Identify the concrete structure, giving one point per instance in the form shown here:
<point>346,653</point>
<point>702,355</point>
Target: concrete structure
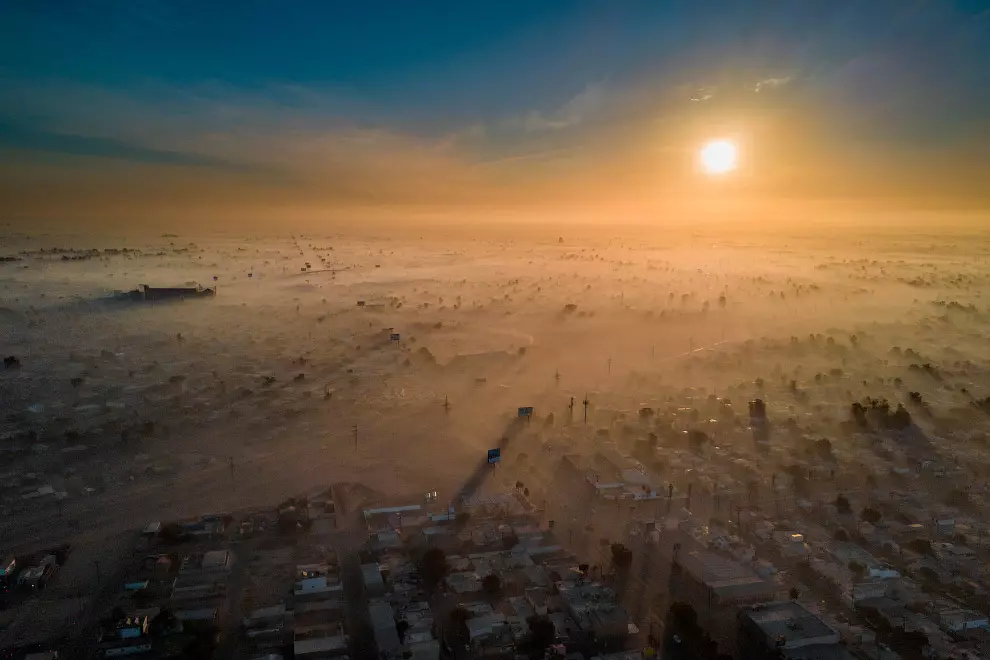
<point>786,631</point>
<point>145,292</point>
<point>317,581</point>
<point>373,582</point>
<point>383,625</point>
<point>594,609</point>
<point>717,587</point>
<point>958,620</point>
<point>317,648</point>
<point>215,560</point>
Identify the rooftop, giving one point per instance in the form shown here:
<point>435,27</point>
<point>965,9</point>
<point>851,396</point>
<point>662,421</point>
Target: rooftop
<point>726,577</point>
<point>791,623</point>
<point>319,645</point>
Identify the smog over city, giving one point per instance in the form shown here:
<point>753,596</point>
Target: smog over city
<point>500,330</point>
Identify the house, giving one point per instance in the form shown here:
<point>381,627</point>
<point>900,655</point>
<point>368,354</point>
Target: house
<point>958,620</point>
<point>791,544</point>
<point>317,581</point>
<point>320,641</point>
<point>216,560</point>
<point>204,616</point>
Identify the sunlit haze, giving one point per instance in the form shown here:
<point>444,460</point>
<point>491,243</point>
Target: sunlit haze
<point>157,114</point>
<point>495,329</point>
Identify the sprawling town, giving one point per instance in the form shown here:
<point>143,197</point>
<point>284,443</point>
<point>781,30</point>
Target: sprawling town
<point>687,546</point>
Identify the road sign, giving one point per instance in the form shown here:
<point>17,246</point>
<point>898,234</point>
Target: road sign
<point>395,336</point>
<point>526,412</point>
<point>494,456</point>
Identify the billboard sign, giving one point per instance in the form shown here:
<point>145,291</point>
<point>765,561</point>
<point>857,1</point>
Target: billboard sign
<point>494,456</point>
<point>526,412</point>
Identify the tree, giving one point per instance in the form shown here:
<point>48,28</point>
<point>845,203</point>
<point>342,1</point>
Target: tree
<point>858,413</point>
<point>162,623</point>
<point>794,593</point>
<point>823,447</point>
<point>841,535</point>
<point>458,629</point>
<point>900,419</point>
<point>491,584</point>
<point>929,575</point>
<point>957,497</point>
<point>401,626</point>
<point>697,440</point>
<point>842,504</point>
<point>621,556</point>
<point>541,631</point>
<point>682,618</point>
<point>433,566</point>
<point>870,515</point>
<point>858,569</point>
<point>921,546</point>
<point>171,533</point>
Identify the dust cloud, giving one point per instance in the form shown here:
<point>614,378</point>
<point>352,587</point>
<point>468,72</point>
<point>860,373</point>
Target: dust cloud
<point>397,361</point>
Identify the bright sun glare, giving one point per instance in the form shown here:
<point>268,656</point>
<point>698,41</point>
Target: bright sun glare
<point>718,157</point>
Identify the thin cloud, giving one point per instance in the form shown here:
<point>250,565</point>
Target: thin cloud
<point>578,110</point>
<point>772,83</point>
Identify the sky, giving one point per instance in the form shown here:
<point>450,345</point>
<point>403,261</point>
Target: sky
<point>151,111</point>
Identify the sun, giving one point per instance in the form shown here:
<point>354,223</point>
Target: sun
<point>719,157</point>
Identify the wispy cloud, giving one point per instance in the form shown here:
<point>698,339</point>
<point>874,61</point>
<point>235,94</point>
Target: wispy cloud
<point>579,109</point>
<point>772,83</point>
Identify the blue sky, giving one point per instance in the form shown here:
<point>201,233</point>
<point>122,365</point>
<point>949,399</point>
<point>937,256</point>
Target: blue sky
<point>455,88</point>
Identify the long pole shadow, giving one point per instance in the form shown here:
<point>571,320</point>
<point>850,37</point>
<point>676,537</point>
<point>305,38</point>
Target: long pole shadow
<point>484,468</point>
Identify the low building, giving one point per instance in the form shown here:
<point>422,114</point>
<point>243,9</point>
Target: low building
<point>786,630</point>
<point>791,544</point>
<point>320,647</point>
<point>595,610</point>
<point>958,620</point>
<point>145,292</point>
<point>717,587</point>
<point>374,585</point>
<point>317,581</point>
<point>383,625</point>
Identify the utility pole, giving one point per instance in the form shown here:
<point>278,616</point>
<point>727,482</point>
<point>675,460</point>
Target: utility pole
<point>585,402</point>
<point>230,462</point>
<point>99,573</point>
<point>446,404</point>
<point>355,437</point>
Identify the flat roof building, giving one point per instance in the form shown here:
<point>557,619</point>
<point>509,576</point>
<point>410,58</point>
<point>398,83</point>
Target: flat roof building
<point>787,630</point>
